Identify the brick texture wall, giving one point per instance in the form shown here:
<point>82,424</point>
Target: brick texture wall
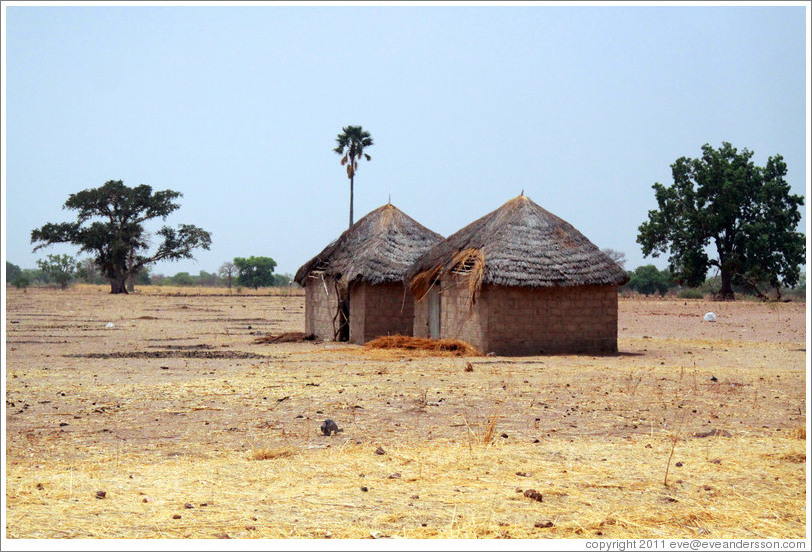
<point>529,321</point>
<point>358,296</point>
<point>420,327</point>
<point>457,319</point>
<point>320,307</point>
<point>379,310</point>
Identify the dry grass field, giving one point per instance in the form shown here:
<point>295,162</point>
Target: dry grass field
<point>156,415</point>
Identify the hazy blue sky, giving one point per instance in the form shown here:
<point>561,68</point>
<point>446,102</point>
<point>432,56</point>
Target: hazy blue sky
<point>583,108</point>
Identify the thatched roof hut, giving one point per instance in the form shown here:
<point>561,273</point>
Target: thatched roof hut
<point>362,272</point>
<point>381,247</point>
<point>520,244</point>
<point>526,257</point>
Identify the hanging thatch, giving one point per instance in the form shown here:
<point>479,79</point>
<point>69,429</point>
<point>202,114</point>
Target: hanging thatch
<point>378,248</point>
<point>519,244</point>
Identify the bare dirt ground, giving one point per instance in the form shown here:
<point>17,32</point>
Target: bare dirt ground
<point>157,416</point>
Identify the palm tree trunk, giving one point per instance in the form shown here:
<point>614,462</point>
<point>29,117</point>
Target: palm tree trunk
<point>351,198</point>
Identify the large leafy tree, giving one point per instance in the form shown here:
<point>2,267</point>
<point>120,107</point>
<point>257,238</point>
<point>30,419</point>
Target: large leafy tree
<point>110,226</point>
<point>255,272</point>
<point>351,144</point>
<point>743,214</point>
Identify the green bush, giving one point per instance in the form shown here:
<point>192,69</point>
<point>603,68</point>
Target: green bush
<point>648,280</point>
<point>691,293</point>
<point>21,281</point>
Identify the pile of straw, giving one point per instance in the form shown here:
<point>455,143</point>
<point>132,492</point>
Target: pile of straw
<point>455,347</point>
<point>287,337</point>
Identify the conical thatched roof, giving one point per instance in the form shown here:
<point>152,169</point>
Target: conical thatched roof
<point>378,248</point>
<point>518,244</point>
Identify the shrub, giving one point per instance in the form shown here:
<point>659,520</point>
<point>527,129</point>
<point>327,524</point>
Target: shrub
<point>21,281</point>
<point>691,293</point>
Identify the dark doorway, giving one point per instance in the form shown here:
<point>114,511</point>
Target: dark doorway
<point>344,319</point>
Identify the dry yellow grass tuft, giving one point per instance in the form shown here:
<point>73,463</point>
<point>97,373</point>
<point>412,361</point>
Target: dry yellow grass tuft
<point>483,433</point>
<point>271,453</point>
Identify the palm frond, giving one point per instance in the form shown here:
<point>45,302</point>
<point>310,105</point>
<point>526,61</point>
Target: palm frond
<point>351,143</point>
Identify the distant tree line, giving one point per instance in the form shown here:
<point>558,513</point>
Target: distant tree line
<point>64,270</point>
<point>648,280</point>
<point>251,272</point>
<point>256,272</point>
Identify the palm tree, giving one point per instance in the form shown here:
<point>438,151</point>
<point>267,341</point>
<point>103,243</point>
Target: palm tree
<point>351,144</point>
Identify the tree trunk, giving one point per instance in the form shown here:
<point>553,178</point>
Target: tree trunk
<point>760,294</point>
<point>118,284</point>
<point>726,293</point>
<point>351,198</point>
<point>130,272</point>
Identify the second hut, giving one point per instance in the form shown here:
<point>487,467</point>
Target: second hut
<point>355,288</point>
<point>519,281</point>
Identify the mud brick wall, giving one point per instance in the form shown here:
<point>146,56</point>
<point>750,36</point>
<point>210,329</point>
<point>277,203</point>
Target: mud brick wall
<point>531,321</point>
<point>320,307</point>
<point>457,319</point>
<point>420,327</point>
<point>358,295</point>
<point>379,310</point>
<point>518,321</point>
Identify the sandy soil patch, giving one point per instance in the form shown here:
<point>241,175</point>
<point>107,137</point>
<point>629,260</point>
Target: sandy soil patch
<point>193,430</point>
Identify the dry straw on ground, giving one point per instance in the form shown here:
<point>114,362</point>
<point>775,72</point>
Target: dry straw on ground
<point>739,488</point>
<point>229,446</point>
<point>439,347</point>
<point>286,337</point>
